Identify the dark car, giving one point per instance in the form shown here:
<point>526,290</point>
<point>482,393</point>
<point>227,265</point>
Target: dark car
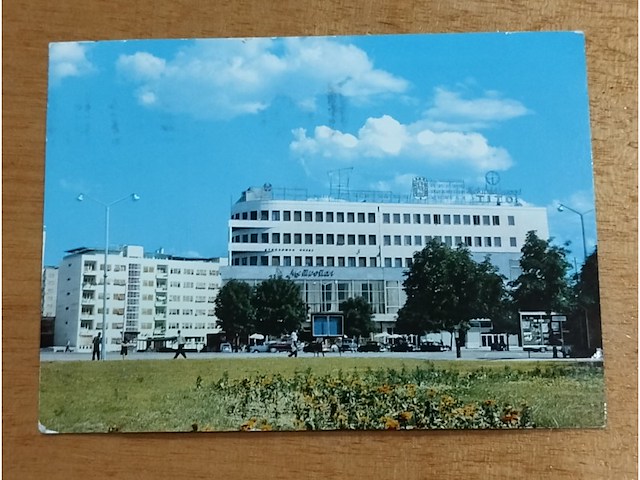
<point>315,347</point>
<point>498,347</point>
<point>402,347</point>
<point>370,347</point>
<point>279,346</point>
<point>349,346</point>
<point>434,347</point>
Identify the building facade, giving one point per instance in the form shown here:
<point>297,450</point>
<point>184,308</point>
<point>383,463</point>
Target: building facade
<point>338,248</point>
<point>49,290</point>
<point>148,296</point>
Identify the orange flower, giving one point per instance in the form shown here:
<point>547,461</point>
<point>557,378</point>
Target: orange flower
<point>248,425</point>
<point>385,389</point>
<point>406,416</point>
<point>391,424</point>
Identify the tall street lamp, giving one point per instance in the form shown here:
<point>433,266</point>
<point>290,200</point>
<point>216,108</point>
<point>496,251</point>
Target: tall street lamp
<point>107,206</point>
<point>561,208</point>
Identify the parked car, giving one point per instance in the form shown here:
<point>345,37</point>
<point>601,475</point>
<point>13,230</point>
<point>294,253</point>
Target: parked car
<point>370,347</point>
<point>434,347</point>
<point>315,347</point>
<point>226,348</point>
<point>498,346</point>
<point>258,348</point>
<point>349,346</point>
<point>402,347</point>
<point>279,346</point>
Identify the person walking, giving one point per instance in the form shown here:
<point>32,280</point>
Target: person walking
<point>96,346</point>
<point>124,347</point>
<point>180,341</point>
<point>294,344</point>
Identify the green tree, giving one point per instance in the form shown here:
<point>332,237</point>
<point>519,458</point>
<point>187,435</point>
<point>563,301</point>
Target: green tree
<point>494,299</point>
<point>543,284</point>
<point>234,309</point>
<point>358,317</point>
<point>279,306</point>
<point>446,289</point>
<point>587,309</point>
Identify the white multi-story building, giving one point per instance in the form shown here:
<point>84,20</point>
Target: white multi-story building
<point>337,248</point>
<point>49,291</point>
<point>149,296</point>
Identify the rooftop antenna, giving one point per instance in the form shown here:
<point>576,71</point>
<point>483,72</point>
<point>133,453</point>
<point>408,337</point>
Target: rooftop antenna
<point>339,182</point>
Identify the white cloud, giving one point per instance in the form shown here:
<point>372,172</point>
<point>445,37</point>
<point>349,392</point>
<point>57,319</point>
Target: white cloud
<point>383,136</point>
<point>68,59</point>
<point>142,65</point>
<point>492,107</point>
<point>470,148</point>
<point>386,138</point>
<point>147,98</point>
<point>231,77</point>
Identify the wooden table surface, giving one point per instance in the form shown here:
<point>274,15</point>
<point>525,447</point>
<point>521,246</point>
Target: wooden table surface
<point>611,35</point>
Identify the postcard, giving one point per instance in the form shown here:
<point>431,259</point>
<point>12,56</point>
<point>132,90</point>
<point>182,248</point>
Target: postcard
<point>382,232</point>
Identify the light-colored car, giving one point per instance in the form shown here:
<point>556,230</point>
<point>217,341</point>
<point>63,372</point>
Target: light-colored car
<point>258,348</point>
<point>226,348</point>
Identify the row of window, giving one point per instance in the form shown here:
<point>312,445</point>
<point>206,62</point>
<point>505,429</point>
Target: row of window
<point>352,239</point>
<point>306,238</point>
<point>90,266</point>
<point>321,261</point>
<point>298,215</point>
<point>150,283</point>
<point>133,298</point>
<point>469,241</point>
<point>87,324</point>
<point>190,325</point>
<point>445,219</point>
<point>306,261</point>
<point>191,312</point>
<point>370,217</point>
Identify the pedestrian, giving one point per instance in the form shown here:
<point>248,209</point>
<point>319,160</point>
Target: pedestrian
<point>68,347</point>
<point>124,347</point>
<point>96,346</point>
<point>180,341</point>
<point>317,348</point>
<point>294,344</point>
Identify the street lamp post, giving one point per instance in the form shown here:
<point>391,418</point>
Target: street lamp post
<point>561,208</point>
<point>107,206</point>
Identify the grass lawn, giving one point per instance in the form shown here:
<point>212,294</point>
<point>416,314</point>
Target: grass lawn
<point>165,395</point>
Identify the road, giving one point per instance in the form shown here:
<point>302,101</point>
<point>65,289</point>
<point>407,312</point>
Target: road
<point>480,355</point>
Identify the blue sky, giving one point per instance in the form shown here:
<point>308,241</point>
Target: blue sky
<point>189,124</point>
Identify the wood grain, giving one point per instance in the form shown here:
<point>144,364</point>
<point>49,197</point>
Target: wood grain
<point>610,29</point>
